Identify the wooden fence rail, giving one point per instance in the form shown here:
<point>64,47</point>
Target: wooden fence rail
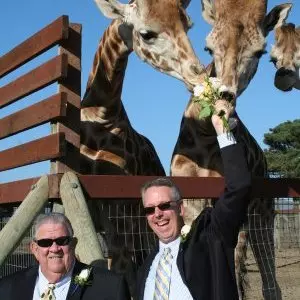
<point>112,187</point>
<point>62,109</point>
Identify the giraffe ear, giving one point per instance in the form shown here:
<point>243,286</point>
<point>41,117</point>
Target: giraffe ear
<point>208,11</point>
<point>276,17</point>
<point>112,9</point>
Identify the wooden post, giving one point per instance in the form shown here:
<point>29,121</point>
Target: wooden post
<point>277,230</point>
<point>70,125</point>
<point>88,247</point>
<point>20,222</point>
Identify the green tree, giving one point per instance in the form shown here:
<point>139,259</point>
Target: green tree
<point>283,154</point>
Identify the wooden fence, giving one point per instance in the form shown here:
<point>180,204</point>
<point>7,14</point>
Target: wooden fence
<point>62,109</point>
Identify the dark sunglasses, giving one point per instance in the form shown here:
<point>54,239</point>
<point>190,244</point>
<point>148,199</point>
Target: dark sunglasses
<point>60,241</point>
<point>163,206</point>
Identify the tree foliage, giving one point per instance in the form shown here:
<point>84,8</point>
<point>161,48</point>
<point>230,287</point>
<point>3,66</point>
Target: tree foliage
<point>283,154</point>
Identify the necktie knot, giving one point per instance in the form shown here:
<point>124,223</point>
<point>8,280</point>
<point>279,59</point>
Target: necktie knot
<point>167,253</point>
<point>49,294</point>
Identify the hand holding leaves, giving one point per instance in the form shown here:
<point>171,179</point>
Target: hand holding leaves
<point>207,95</point>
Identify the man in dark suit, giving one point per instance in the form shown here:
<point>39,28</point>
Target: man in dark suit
<point>59,275</point>
<point>200,266</point>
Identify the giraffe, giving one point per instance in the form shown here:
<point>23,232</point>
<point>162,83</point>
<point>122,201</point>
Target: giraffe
<point>237,39</point>
<point>236,42</point>
<point>157,32</point>
<point>285,55</point>
<point>197,154</point>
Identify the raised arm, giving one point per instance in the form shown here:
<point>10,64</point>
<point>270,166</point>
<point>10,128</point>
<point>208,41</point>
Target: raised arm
<point>230,210</point>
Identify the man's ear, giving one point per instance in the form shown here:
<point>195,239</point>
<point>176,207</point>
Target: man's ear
<point>34,249</point>
<point>181,209</point>
<point>208,11</point>
<point>276,17</point>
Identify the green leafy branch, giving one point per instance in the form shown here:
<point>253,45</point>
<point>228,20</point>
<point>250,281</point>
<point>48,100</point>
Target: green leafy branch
<point>207,99</point>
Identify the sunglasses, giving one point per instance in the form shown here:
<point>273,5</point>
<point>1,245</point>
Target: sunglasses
<point>163,206</point>
<point>60,241</point>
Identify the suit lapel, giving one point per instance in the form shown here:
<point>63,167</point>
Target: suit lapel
<point>25,287</point>
<point>144,273</point>
<point>180,263</point>
<point>187,258</point>
<point>75,290</point>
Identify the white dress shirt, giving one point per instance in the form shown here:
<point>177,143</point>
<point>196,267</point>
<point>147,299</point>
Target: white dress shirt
<point>61,288</point>
<point>178,290</point>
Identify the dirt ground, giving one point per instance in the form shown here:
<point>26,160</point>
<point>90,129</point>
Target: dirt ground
<point>288,275</point>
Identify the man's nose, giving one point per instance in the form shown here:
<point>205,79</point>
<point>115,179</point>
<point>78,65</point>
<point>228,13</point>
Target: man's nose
<point>54,247</point>
<point>158,212</point>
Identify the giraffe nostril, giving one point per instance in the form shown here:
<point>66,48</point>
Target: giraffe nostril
<point>228,96</point>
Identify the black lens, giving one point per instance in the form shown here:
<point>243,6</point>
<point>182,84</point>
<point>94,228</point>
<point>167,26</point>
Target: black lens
<point>61,241</point>
<point>164,206</point>
<point>45,242</point>
<point>151,209</point>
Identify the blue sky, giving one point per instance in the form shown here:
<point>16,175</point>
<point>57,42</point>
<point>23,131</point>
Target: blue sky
<point>154,101</point>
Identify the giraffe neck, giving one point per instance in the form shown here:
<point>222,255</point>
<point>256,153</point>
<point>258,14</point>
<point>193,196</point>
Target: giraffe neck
<point>103,93</point>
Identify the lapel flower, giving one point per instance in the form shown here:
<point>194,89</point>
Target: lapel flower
<point>184,232</point>
<point>82,278</point>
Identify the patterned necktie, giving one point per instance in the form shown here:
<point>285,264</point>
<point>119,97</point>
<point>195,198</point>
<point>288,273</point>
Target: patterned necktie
<point>163,276</point>
<point>49,294</point>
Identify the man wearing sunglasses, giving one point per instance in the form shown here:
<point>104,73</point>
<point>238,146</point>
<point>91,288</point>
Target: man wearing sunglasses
<point>59,275</point>
<point>201,266</point>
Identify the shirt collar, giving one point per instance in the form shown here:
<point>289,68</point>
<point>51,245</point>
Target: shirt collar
<point>174,245</point>
<point>43,281</point>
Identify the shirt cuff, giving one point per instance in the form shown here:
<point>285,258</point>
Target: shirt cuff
<point>226,139</point>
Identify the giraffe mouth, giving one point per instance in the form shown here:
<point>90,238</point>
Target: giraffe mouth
<point>285,79</point>
<point>297,84</point>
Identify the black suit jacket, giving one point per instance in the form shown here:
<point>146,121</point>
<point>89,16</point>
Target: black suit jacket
<point>104,285</point>
<point>206,258</point>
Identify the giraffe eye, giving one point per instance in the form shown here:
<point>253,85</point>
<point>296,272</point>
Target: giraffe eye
<point>260,53</point>
<point>209,50</point>
<point>148,35</point>
<point>273,60</point>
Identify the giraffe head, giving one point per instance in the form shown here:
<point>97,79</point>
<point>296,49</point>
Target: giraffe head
<point>237,39</point>
<point>159,35</point>
<point>285,55</point>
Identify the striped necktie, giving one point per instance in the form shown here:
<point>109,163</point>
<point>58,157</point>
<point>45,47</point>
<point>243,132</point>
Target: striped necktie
<point>163,276</point>
<point>49,294</point>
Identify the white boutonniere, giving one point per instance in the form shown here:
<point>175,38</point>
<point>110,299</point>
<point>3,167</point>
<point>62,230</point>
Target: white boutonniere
<point>184,232</point>
<point>83,277</point>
